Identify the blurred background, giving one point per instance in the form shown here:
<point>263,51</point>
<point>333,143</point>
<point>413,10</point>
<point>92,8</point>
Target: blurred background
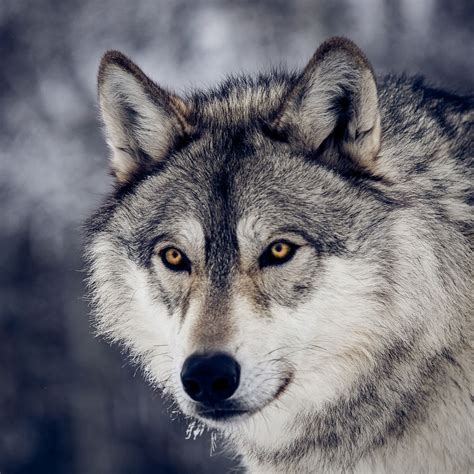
<point>69,403</point>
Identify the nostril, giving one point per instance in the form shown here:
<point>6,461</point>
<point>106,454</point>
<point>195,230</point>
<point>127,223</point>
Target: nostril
<point>220,385</point>
<point>192,387</point>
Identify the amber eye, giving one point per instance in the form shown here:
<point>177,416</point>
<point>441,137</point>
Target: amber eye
<point>278,253</point>
<point>175,260</point>
<point>173,256</point>
<point>280,250</point>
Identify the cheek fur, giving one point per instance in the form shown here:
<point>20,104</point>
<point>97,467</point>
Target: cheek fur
<point>126,310</point>
<point>170,288</point>
<point>292,283</point>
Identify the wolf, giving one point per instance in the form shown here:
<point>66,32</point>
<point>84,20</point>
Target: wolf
<point>289,258</point>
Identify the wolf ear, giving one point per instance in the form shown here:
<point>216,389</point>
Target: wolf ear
<point>334,108</point>
<point>142,120</point>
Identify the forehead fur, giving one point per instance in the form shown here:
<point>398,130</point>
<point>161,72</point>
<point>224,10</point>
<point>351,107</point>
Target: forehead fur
<point>231,166</point>
<point>241,100</point>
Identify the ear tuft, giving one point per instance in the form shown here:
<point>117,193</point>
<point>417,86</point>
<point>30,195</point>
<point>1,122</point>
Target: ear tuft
<point>333,108</point>
<point>142,120</point>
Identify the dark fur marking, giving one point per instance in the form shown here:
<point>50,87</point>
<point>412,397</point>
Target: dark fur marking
<point>301,290</point>
<point>275,134</point>
<point>420,168</point>
<point>184,306</point>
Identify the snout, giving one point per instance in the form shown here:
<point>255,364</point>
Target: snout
<point>210,378</point>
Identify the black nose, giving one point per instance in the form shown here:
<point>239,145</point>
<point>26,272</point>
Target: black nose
<point>210,378</point>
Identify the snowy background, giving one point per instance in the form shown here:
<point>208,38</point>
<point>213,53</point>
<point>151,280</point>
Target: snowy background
<point>68,402</point>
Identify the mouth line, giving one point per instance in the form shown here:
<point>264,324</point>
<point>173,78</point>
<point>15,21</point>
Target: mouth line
<point>286,382</point>
<point>223,414</point>
<point>216,414</point>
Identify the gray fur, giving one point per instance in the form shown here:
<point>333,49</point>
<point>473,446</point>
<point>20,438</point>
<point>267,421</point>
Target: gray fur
<point>357,352</point>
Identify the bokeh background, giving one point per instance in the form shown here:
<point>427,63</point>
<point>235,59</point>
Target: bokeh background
<point>69,403</point>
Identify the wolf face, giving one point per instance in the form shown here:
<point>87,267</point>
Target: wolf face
<point>256,257</point>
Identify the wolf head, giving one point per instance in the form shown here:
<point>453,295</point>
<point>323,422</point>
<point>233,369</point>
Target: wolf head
<point>244,258</point>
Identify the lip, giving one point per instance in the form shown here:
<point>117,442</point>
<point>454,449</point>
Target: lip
<point>233,412</point>
<point>222,414</point>
<point>286,382</point>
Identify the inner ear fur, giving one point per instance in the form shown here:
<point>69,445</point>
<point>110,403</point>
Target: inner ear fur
<point>142,120</point>
<point>333,108</point>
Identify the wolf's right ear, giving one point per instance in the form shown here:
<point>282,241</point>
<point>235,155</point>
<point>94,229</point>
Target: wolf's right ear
<point>142,120</point>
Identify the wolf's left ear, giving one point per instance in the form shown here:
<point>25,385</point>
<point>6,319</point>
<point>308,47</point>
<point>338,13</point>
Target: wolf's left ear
<point>142,120</point>
<point>333,107</point>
